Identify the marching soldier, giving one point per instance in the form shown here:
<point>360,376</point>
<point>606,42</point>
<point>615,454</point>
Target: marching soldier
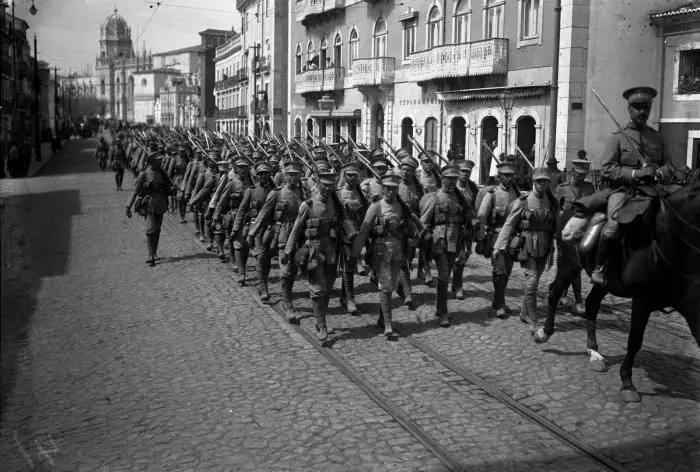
<point>205,186</point>
<point>320,220</point>
<point>492,215</point>
<point>225,214</point>
<point>534,219</point>
<point>153,186</point>
<point>355,205</point>
<point>225,171</point>
<point>198,168</point>
<point>446,215</point>
<point>372,188</point>
<point>117,160</point>
<point>469,190</point>
<point>567,257</point>
<point>625,166</point>
<point>391,225</point>
<point>246,217</point>
<point>278,215</point>
<point>182,164</point>
<point>411,193</point>
<point>428,179</point>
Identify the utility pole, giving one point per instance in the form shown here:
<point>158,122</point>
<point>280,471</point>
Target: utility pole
<point>37,108</point>
<point>554,88</point>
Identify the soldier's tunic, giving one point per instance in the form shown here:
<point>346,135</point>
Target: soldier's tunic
<point>372,189</point>
<point>469,190</point>
<point>618,161</point>
<point>224,217</point>
<point>536,217</point>
<point>445,215</point>
<point>411,194</point>
<point>492,215</point>
<point>556,179</point>
<point>205,187</point>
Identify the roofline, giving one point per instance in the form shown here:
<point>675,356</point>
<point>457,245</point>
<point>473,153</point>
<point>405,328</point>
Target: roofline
<point>197,48</point>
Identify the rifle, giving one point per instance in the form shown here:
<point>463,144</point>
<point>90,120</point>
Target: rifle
<point>422,150</point>
<point>434,167</point>
<point>391,152</point>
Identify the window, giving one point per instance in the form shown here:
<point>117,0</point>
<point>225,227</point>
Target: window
<point>462,20</point>
<point>353,47</point>
<point>309,52</point>
<point>434,27</point>
<point>689,72</point>
<point>298,59</point>
<point>380,36</point>
<point>431,137</point>
<point>337,50</point>
<point>323,54</point>
<point>409,37</point>
<point>143,82</point>
<point>257,12</point>
<point>529,24</point>
<point>493,19</point>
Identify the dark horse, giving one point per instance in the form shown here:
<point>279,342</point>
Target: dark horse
<point>657,266</point>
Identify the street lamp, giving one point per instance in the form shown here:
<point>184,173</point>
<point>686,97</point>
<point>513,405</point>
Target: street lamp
<point>507,101</point>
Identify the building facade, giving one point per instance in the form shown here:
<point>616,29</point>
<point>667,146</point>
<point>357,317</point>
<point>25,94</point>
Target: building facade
<point>17,74</point>
<point>231,86</point>
<point>211,39</point>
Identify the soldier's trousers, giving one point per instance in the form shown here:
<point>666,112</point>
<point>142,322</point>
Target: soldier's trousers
<point>288,273</point>
<point>502,267</point>
<point>154,222</point>
<point>348,265</point>
<point>119,176</point>
<point>321,280</point>
<point>240,252</point>
<point>533,268</point>
<point>263,257</point>
<point>182,205</point>
<point>458,273</point>
<point>444,263</point>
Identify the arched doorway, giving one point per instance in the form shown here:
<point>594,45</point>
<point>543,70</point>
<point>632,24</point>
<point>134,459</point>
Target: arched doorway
<point>459,135</point>
<point>406,132</point>
<point>526,134</point>
<point>489,137</point>
<point>430,134</point>
<point>297,128</point>
<point>309,128</point>
<point>378,131</point>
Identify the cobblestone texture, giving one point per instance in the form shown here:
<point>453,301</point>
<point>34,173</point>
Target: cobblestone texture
<point>118,366</point>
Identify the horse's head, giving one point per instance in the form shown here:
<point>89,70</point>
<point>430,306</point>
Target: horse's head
<point>575,229</point>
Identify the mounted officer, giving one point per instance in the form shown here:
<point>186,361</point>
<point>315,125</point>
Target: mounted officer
<point>633,155</point>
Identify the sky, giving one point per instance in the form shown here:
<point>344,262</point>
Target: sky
<point>68,31</point>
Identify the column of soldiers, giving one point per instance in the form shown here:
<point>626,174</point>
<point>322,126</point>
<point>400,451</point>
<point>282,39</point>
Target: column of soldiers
<point>317,211</point>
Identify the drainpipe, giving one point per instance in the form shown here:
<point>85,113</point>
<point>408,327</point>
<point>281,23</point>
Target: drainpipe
<point>554,89</point>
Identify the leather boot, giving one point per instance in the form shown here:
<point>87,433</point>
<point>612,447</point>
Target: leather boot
<point>349,293</point>
<point>241,256</point>
<point>442,304</point>
<point>182,206</point>
<point>601,261</point>
<point>219,239</point>
<point>321,329</point>
<point>499,291</point>
<point>232,249</point>
<point>209,234</point>
<point>197,227</point>
<point>202,227</point>
<point>405,283</point>
<point>262,282</point>
<point>156,240</point>
<point>287,304</point>
<point>385,304</point>
<point>457,278</point>
<point>150,243</point>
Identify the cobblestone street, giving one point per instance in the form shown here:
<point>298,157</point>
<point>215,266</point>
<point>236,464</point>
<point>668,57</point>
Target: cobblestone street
<point>109,365</point>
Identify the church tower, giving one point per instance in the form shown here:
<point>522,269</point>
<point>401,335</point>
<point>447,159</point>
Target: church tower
<point>115,39</point>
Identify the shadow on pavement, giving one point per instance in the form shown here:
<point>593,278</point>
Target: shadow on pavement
<point>76,157</point>
<point>36,242</point>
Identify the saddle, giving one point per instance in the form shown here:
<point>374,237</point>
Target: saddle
<point>636,204</point>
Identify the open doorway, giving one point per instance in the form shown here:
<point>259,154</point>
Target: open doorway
<point>459,136</point>
<point>406,132</point>
<point>489,143</point>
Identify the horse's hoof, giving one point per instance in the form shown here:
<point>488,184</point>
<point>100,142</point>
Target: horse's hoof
<point>540,336</point>
<point>598,365</point>
<point>630,396</point>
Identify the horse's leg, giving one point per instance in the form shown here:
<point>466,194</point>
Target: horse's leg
<point>641,310</point>
<point>566,274</point>
<point>595,298</point>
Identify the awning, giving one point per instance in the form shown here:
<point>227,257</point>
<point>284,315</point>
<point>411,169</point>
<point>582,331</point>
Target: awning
<point>493,93</point>
<point>337,114</point>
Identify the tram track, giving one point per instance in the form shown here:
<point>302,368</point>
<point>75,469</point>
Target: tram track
<point>450,460</point>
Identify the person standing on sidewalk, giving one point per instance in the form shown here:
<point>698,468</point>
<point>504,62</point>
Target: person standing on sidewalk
<point>152,187</point>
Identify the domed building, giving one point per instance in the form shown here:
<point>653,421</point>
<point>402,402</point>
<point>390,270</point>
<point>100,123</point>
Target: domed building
<point>116,66</point>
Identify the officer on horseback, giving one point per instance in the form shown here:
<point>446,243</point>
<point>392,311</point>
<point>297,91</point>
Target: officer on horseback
<point>633,155</point>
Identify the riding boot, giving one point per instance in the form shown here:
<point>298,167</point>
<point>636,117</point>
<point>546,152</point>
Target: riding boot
<point>499,296</point>
<point>405,283</point>
<point>219,239</point>
<point>385,306</point>
<point>457,283</point>
<point>442,303</point>
<point>287,303</point>
<point>209,235</point>
<point>601,260</point>
<point>150,243</point>
<point>322,330</point>
<point>349,293</point>
<point>241,257</point>
<point>182,206</point>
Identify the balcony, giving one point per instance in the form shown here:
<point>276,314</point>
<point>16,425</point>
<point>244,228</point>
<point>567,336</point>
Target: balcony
<point>242,74</point>
<point>230,113</point>
<point>264,65</point>
<point>226,83</point>
<point>373,72</point>
<point>486,57</point>
<point>307,10</point>
<point>230,45</point>
<point>320,80</point>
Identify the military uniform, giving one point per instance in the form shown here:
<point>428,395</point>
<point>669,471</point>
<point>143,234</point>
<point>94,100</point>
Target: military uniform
<point>372,188</point>
<point>355,205</point>
<point>469,190</point>
<point>430,183</point>
<point>445,214</point>
<point>179,173</point>
<point>555,174</point>
<point>198,169</point>
<point>253,201</point>
<point>632,155</point>
<point>204,188</point>
<point>277,218</point>
<point>390,227</point>
<point>492,214</point>
<point>117,160</point>
<point>535,217</point>
<point>320,220</point>
<point>411,193</point>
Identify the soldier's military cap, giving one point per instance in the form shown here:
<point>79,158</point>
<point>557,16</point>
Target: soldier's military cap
<point>639,94</point>
<point>541,173</point>
<point>450,171</point>
<point>581,166</point>
<point>241,162</point>
<point>293,167</point>
<point>224,165</point>
<point>351,168</point>
<point>510,158</point>
<point>263,167</point>
<point>424,156</point>
<point>391,180</point>
<point>274,158</point>
<point>380,161</point>
<point>319,149</point>
<point>466,165</point>
<point>552,160</point>
<point>256,155</point>
<point>402,154</point>
<point>154,156</point>
<point>409,161</point>
<point>322,165</point>
<point>327,177</point>
<point>506,168</point>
